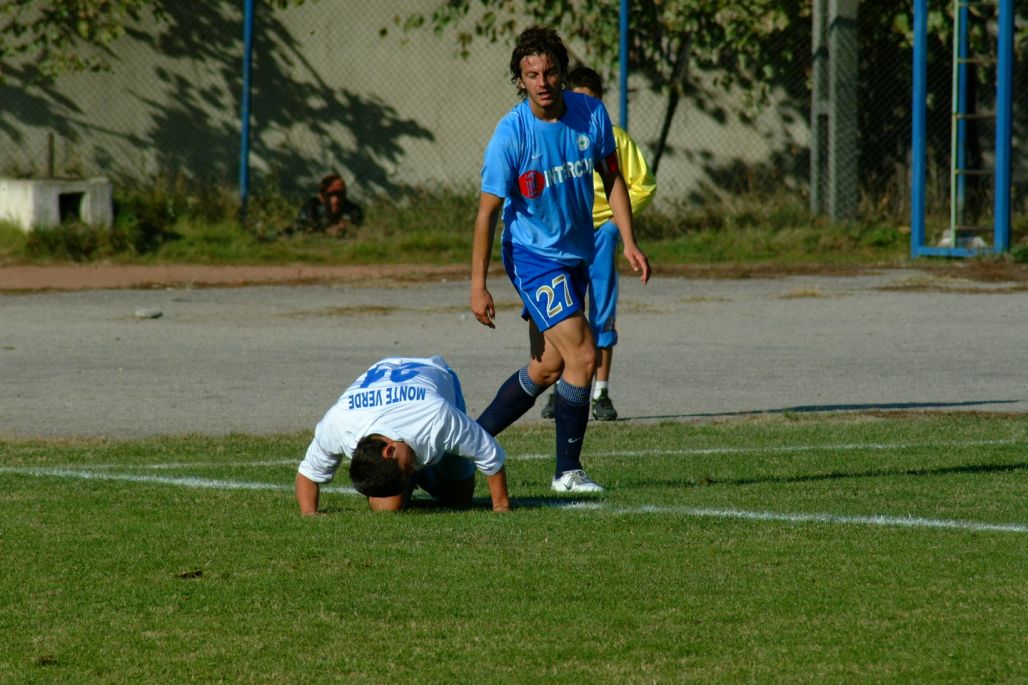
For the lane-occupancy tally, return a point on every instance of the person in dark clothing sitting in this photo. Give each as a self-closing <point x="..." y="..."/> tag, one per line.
<point x="330" y="211"/>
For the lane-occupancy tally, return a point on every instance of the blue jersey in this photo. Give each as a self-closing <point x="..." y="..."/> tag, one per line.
<point x="544" y="172"/>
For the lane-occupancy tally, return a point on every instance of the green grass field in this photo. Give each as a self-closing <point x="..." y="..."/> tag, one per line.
<point x="791" y="548"/>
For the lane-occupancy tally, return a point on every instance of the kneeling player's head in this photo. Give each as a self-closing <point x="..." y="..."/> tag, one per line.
<point x="371" y="473"/>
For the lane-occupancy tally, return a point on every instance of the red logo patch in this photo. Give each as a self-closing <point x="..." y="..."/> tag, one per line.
<point x="531" y="184"/>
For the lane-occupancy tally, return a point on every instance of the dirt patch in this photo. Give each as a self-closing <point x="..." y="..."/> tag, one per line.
<point x="942" y="283"/>
<point x="734" y="272"/>
<point x="35" y="278"/>
<point x="115" y="276"/>
<point x="978" y="270"/>
<point x="981" y="270"/>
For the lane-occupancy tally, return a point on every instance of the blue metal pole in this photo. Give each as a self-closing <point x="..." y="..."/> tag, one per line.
<point x="964" y="30"/>
<point x="244" y="137"/>
<point x="623" y="63"/>
<point x="1004" y="116"/>
<point x="918" y="113"/>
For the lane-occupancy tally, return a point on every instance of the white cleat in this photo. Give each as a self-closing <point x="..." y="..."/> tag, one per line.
<point x="575" y="482"/>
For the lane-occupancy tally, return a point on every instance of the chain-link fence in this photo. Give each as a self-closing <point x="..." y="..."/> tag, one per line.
<point x="330" y="92"/>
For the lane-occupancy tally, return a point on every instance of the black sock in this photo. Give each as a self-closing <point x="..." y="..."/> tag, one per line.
<point x="515" y="397"/>
<point x="571" y="414"/>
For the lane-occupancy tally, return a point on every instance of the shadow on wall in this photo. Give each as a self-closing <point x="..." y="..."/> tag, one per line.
<point x="194" y="125"/>
<point x="280" y="102"/>
<point x="45" y="108"/>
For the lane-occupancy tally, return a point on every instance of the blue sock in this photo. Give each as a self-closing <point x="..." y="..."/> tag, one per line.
<point x="515" y="397"/>
<point x="571" y="414"/>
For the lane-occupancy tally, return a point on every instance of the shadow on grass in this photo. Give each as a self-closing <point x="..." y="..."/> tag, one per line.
<point x="709" y="481"/>
<point x="428" y="505"/>
<point x="826" y="408"/>
<point x="425" y="504"/>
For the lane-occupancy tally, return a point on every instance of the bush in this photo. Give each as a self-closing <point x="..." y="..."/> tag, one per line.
<point x="76" y="241"/>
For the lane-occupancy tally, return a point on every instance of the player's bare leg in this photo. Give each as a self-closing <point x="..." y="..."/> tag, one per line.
<point x="548" y="368"/>
<point x="518" y="393"/>
<point x="572" y="340"/>
<point x="546" y="364"/>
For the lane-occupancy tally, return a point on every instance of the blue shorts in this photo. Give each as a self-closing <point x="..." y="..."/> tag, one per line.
<point x="603" y="286"/>
<point x="551" y="292"/>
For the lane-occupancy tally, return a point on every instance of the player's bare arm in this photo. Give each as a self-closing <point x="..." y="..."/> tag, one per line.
<point x="621" y="206"/>
<point x="307" y="492"/>
<point x="482" y="306"/>
<point x="498" y="490"/>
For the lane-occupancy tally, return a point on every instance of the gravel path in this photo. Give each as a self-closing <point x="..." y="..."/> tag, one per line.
<point x="272" y="358"/>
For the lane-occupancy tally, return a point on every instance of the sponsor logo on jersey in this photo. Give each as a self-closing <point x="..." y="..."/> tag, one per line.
<point x="533" y="183"/>
<point x="569" y="170"/>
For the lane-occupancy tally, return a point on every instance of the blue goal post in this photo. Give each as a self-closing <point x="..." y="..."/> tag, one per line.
<point x="1002" y="178"/>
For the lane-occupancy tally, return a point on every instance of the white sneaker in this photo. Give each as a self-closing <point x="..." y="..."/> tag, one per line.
<point x="575" y="481"/>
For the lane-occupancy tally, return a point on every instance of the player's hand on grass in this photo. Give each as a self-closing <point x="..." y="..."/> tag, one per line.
<point x="482" y="306"/>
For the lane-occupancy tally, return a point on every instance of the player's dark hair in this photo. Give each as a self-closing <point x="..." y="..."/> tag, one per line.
<point x="538" y="40"/>
<point x="370" y="474"/>
<point x="584" y="77"/>
<point x="327" y="181"/>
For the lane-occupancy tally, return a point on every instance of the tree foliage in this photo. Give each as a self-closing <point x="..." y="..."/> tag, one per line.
<point x="51" y="37"/>
<point x="739" y="34"/>
<point x="684" y="46"/>
<point x="745" y="43"/>
<point x="64" y="35"/>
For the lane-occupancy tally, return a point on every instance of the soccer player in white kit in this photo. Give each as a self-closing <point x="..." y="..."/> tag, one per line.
<point x="403" y="424"/>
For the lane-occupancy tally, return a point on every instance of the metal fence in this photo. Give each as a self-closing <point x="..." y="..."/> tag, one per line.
<point x="404" y="110"/>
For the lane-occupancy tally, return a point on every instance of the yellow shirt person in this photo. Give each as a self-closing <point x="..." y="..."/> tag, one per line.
<point x="642" y="186"/>
<point x="603" y="274"/>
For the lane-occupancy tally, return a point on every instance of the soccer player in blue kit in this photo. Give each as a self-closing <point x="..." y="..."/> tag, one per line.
<point x="538" y="171"/>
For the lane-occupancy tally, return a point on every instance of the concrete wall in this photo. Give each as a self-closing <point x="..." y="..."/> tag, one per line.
<point x="330" y="93"/>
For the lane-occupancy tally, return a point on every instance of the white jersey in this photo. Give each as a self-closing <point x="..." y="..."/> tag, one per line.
<point x="416" y="401"/>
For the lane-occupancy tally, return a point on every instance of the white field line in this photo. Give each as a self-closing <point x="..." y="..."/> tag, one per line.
<point x="875" y="520"/>
<point x="171" y="466"/>
<point x="784" y="517"/>
<point x="186" y="482"/>
<point x="684" y="452"/>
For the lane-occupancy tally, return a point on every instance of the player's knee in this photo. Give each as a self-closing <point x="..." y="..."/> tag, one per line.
<point x="544" y="375"/>
<point x="582" y="359"/>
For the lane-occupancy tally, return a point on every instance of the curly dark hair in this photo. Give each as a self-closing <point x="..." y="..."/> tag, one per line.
<point x="584" y="77"/>
<point x="327" y="181"/>
<point x="373" y="476"/>
<point x="538" y="40"/>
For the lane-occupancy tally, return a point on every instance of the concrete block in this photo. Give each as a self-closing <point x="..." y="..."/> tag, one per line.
<point x="32" y="202"/>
